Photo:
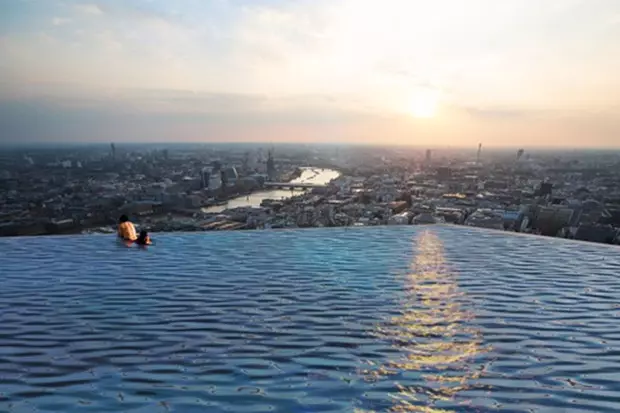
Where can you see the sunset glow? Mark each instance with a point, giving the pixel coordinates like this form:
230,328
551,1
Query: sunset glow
424,104
544,73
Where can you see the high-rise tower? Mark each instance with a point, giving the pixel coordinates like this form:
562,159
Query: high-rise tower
271,168
205,177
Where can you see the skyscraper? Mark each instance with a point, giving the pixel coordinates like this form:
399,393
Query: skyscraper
545,189
246,162
212,176
271,168
113,151
230,176
479,152
205,176
428,156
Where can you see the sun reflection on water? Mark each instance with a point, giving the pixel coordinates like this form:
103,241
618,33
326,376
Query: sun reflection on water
432,335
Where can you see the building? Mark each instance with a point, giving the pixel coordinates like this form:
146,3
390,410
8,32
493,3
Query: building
205,176
596,233
193,201
451,215
271,168
215,181
520,154
486,218
397,207
404,218
212,175
141,208
444,173
512,220
544,189
60,225
424,218
230,176
592,212
549,220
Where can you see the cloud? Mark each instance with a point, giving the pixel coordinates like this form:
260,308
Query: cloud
159,102
89,8
613,20
60,21
133,114
128,11
492,62
498,113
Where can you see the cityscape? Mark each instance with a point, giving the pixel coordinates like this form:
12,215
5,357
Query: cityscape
317,206
73,189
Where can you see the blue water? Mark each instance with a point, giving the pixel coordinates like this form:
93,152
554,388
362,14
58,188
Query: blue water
403,319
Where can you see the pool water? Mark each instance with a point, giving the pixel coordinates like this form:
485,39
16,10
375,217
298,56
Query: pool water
400,319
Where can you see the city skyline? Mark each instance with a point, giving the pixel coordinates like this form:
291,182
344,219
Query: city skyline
446,73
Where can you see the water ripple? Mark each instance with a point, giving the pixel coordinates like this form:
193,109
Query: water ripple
404,319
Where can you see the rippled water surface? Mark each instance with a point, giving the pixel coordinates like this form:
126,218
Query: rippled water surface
402,319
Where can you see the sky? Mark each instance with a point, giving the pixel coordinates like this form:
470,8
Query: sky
408,72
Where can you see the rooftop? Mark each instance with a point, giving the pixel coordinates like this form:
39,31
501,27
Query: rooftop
316,320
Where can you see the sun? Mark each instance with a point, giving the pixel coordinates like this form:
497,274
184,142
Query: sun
424,104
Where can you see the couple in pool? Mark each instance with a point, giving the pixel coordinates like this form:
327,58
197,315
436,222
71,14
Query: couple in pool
127,232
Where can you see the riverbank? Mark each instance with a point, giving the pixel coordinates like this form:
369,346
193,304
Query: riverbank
308,175
207,218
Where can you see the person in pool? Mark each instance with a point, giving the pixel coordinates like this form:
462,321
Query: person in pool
126,230
143,239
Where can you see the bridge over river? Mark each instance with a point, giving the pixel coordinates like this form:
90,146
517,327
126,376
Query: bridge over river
294,185
310,178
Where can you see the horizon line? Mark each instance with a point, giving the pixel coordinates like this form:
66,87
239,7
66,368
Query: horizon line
474,147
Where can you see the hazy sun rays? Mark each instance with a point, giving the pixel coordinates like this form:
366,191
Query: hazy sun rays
424,103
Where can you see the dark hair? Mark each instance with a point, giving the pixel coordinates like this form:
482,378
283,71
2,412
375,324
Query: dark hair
142,237
123,218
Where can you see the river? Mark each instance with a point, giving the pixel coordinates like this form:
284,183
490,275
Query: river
308,175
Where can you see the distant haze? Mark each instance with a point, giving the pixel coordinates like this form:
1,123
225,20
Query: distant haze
406,72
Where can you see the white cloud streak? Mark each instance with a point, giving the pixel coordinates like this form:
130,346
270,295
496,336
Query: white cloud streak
89,8
60,21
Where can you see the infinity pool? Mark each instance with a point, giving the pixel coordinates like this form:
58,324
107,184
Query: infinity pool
402,319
